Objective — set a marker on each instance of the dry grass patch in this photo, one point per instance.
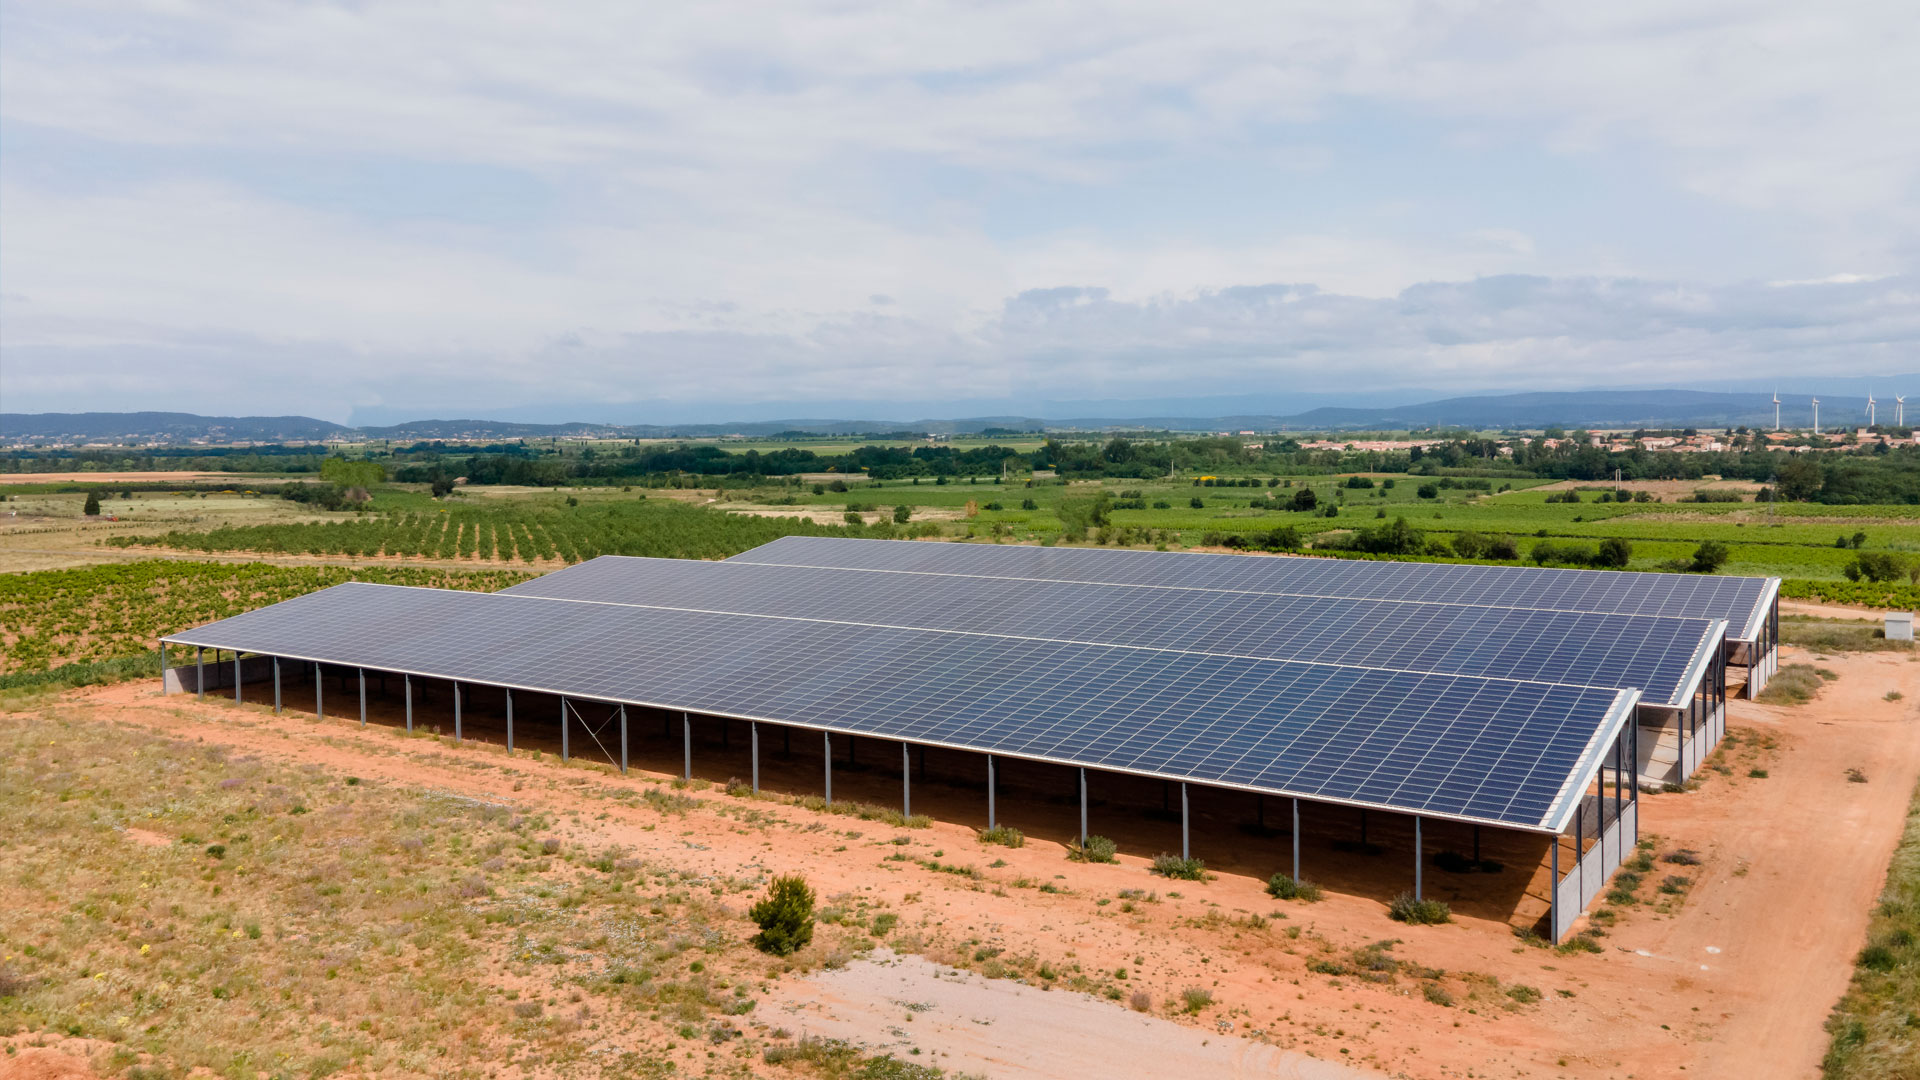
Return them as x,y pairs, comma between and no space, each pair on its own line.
298,923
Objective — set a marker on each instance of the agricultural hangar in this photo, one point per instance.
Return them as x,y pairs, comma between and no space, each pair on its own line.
1444,707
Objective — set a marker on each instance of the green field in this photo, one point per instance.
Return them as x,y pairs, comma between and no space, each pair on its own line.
1810,544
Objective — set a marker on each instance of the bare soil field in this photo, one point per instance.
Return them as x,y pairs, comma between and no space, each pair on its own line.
125,478
1657,487
1731,974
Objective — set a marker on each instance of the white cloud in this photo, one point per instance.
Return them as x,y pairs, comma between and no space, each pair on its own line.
733,185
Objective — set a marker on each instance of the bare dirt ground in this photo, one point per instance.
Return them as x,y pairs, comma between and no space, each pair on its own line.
1657,487
122,478
1011,1031
1817,610
1734,979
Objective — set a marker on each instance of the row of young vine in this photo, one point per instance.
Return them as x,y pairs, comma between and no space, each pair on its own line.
95,613
513,534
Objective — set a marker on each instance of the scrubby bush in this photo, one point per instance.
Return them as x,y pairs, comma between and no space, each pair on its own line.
1004,835
1173,866
1097,849
785,917
1709,557
1283,886
1406,909
1196,998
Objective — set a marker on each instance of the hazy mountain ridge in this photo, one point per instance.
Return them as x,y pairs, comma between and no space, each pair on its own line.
1569,409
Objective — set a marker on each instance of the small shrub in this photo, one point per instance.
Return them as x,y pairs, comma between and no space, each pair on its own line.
1196,998
884,922
1580,943
1855,776
1674,884
785,917
1004,835
1098,849
1437,994
1283,886
1406,909
1682,857
1525,995
1894,695
1173,866
1756,774
1141,1001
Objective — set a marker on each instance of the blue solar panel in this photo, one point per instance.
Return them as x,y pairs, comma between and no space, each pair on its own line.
1660,657
1497,751
1739,601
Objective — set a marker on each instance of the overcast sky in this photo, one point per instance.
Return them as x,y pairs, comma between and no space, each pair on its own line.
657,209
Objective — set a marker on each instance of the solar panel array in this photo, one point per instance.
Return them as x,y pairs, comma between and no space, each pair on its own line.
1740,601
1660,657
1499,751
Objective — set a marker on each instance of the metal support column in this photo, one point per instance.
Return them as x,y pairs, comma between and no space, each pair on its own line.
163,669
753,736
319,700
363,697
686,746
623,738
1083,809
1185,821
990,807
1418,851
199,671
826,754
1580,843
1296,839
236,676
276,686
457,734
1634,753
906,781
1553,896
408,679
509,721
565,748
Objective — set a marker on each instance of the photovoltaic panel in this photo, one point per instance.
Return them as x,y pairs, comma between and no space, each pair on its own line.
1497,751
1659,657
1740,601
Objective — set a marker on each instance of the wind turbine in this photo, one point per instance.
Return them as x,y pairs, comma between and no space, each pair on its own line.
1816,416
1776,408
1869,408
1899,410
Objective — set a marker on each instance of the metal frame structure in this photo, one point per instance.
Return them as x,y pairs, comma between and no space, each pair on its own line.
1595,821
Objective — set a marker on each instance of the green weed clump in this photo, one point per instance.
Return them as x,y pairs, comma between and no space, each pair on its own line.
1404,908
1173,866
1004,835
1284,887
1097,849
1196,999
1793,684
785,917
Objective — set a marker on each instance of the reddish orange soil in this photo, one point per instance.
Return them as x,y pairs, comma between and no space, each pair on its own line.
1735,981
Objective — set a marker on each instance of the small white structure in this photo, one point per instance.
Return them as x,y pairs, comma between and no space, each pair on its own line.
1900,626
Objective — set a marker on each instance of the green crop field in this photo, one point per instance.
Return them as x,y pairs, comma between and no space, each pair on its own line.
98,613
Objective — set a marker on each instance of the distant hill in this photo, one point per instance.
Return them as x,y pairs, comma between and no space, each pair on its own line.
166,427
1570,409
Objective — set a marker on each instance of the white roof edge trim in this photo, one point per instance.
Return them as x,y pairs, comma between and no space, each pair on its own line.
1697,668
1568,801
